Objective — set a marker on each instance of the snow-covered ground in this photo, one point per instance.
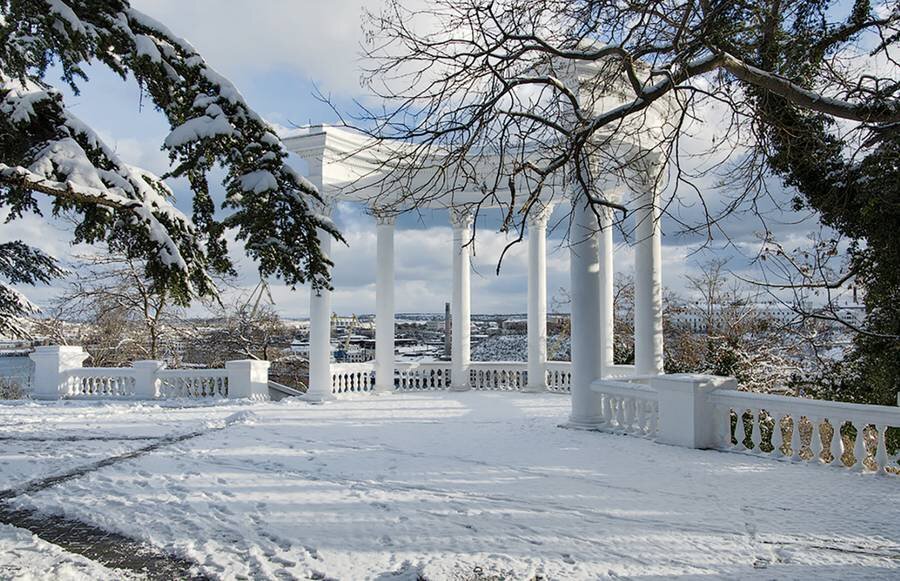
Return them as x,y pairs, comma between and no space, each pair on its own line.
447,486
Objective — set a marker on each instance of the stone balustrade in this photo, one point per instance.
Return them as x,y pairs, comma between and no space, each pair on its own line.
59,374
842,435
422,375
349,378
629,407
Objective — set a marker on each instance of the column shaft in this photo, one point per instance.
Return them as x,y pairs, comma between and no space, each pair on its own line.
384,306
461,307
648,329
537,302
607,293
320,337
584,252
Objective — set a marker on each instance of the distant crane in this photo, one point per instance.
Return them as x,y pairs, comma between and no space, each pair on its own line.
262,289
354,323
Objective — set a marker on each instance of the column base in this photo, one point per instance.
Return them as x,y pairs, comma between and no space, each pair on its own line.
534,389
585,424
383,390
318,398
459,388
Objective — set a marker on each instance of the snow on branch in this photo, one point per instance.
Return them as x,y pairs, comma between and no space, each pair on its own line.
46,149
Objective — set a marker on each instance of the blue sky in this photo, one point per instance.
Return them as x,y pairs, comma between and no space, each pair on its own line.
277,52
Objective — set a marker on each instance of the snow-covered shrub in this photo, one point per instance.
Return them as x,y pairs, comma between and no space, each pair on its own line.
12,388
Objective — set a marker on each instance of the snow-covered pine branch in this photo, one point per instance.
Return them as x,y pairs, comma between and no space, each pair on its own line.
46,149
21,264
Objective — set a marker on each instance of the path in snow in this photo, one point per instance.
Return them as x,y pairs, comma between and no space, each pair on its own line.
442,484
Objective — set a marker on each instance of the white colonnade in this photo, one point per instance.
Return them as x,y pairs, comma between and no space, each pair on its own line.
592,311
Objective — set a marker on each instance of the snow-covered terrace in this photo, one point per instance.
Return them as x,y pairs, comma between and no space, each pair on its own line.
441,485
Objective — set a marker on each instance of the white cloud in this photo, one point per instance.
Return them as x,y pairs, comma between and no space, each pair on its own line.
316,39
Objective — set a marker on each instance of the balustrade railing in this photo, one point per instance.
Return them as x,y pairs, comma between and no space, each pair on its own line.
192,383
498,375
435,375
628,407
843,435
58,373
559,376
421,375
352,378
98,382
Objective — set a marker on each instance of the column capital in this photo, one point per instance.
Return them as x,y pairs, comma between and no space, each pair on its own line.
539,215
383,218
461,218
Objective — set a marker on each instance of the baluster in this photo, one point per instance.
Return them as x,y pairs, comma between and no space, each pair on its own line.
654,418
756,431
620,412
740,432
777,435
815,440
641,416
859,449
606,409
628,404
837,444
796,443
881,457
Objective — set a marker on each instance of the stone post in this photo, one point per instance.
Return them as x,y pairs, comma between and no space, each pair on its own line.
686,416
50,365
248,379
146,378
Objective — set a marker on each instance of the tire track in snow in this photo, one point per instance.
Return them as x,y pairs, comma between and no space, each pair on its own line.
114,550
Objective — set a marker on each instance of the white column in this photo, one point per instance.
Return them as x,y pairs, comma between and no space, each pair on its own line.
384,305
537,299
319,389
584,269
607,315
461,221
648,330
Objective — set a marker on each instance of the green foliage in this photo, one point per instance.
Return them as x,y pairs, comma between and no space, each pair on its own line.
45,149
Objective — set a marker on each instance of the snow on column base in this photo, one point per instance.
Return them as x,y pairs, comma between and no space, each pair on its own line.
534,389
318,398
384,390
460,388
587,424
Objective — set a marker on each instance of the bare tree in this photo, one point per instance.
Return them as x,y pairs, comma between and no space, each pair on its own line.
125,316
509,97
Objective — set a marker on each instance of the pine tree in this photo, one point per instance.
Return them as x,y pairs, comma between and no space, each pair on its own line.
46,150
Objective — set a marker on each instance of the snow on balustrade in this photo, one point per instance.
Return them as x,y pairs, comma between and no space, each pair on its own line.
422,375
843,435
629,407
352,378
99,382
193,383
